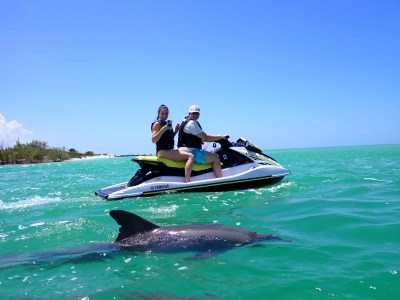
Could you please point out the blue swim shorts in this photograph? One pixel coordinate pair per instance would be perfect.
(199, 156)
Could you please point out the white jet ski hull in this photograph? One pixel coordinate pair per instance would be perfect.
(235, 178)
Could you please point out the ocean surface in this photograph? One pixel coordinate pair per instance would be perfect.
(338, 212)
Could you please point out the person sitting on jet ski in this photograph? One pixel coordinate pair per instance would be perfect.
(191, 137)
(163, 136)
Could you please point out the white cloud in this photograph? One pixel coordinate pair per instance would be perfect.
(11, 131)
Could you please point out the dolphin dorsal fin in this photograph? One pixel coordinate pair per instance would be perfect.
(130, 223)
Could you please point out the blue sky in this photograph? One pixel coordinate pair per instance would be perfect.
(91, 74)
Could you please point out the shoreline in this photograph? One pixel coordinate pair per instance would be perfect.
(93, 157)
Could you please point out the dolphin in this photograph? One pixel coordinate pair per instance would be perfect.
(141, 235)
(205, 240)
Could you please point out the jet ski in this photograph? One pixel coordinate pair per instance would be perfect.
(243, 165)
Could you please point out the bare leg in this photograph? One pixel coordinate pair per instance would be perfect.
(179, 155)
(189, 167)
(214, 159)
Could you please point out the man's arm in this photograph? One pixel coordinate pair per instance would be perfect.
(211, 137)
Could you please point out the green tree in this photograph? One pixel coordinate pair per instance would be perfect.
(89, 153)
(36, 152)
(73, 153)
(56, 154)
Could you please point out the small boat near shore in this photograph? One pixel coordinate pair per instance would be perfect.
(243, 164)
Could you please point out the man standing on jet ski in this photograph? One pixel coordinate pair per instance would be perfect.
(191, 137)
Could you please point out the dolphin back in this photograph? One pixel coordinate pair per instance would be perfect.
(130, 223)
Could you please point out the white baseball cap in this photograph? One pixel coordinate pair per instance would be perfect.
(194, 108)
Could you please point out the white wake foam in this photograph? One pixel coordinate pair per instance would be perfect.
(29, 202)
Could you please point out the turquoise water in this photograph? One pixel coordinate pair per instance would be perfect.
(340, 207)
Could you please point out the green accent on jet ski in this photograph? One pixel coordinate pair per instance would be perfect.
(170, 163)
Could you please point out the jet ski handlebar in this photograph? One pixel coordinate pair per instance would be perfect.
(225, 143)
(241, 142)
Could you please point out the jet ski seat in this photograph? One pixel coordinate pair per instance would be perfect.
(155, 160)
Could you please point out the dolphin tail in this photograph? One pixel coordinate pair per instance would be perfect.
(130, 223)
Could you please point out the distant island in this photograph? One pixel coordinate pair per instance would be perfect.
(39, 152)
